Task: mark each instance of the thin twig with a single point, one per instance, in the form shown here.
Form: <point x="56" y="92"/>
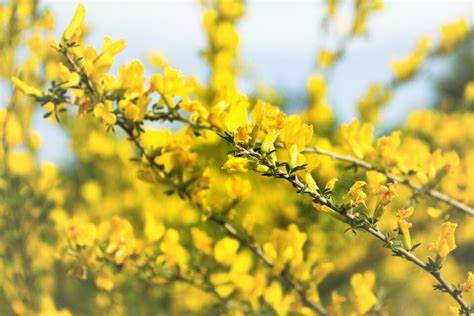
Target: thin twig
<point x="415" y="187"/>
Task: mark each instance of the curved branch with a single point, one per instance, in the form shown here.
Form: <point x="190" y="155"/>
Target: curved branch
<point x="351" y="218"/>
<point x="460" y="206"/>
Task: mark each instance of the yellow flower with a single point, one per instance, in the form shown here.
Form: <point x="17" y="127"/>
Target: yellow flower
<point x="236" y="164"/>
<point x="374" y="99"/>
<point x="267" y="116"/>
<point x="238" y="188"/>
<point x="452" y="34"/>
<point x="158" y="60"/>
<point x="201" y="241"/>
<point x="317" y="87"/>
<point x="225" y="250"/>
<point x="154" y="230"/>
<point x="81" y="234"/>
<point x="68" y="78"/>
<point x="469" y="91"/>
<point x="286" y="246"/>
<point x="405" y="68"/>
<point x="358" y="139"/>
<point x="173" y="254"/>
<point x="275" y="297"/>
<point x="25" y="88"/>
<point x="404" y="213"/>
<point x="91" y="191"/>
<point x="105" y="112"/>
<point x="104" y="282"/>
<point x="404" y="226"/>
<point x="242" y="135"/>
<point x="20" y="163"/>
<point x="445" y="242"/>
<point x="356" y="194"/>
<point x="326" y="58"/>
<point x="295" y="135"/>
<point x="468" y="285"/>
<point x="169" y="85"/>
<point x="362" y="286"/>
<point x="236" y="115"/>
<point x="76" y="23"/>
<point x="231" y="9"/>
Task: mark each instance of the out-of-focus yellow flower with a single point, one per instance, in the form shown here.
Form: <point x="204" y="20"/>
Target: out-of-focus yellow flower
<point x="91" y="191"/>
<point x="173" y="253"/>
<point x="76" y="23"/>
<point x="286" y="246"/>
<point x="231" y="9"/>
<point x="26" y="88"/>
<point x="225" y="250"/>
<point x="358" y="139"/>
<point x="374" y="99"/>
<point x="405" y="68"/>
<point x="157" y="59"/>
<point x="362" y="286"/>
<point x="468" y="285"/>
<point x="446" y="240"/>
<point x="275" y="298"/>
<point x="201" y="240"/>
<point x="238" y="188"/>
<point x="335" y="308"/>
<point x="20" y="163"/>
<point x="469" y="91"/>
<point x="104" y="282"/>
<point x="81" y="234"/>
<point x="236" y="164"/>
<point x="154" y="230"/>
<point x="452" y="34"/>
<point x="326" y="58"/>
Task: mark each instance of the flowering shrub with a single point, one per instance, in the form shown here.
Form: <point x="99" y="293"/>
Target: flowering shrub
<point x="237" y="208"/>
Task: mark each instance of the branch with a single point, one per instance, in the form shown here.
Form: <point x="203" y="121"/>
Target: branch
<point x="351" y="218"/>
<point x="460" y="206"/>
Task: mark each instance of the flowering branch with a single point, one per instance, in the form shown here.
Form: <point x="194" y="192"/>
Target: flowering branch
<point x="415" y="187"/>
<point x="356" y="222"/>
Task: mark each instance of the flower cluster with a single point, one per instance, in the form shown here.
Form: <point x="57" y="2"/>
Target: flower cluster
<point x="226" y="208"/>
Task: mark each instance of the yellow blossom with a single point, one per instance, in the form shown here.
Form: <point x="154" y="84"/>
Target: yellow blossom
<point x="81" y="234"/>
<point x="358" y="138"/>
<point x="25" y="88"/>
<point x="104" y="282"/>
<point x="225" y="250"/>
<point x="326" y="58"/>
<point x="75" y="24"/>
<point x="469" y="91"/>
<point x="201" y="241"/>
<point x="356" y="194"/>
<point x="362" y="286"/>
<point x="445" y="242"/>
<point x="405" y="68"/>
<point x="452" y="34"/>
<point x="468" y="285"/>
<point x="238" y="188"/>
<point x="236" y="164"/>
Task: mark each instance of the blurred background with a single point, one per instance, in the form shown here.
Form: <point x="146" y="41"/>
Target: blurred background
<point x="279" y="43"/>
